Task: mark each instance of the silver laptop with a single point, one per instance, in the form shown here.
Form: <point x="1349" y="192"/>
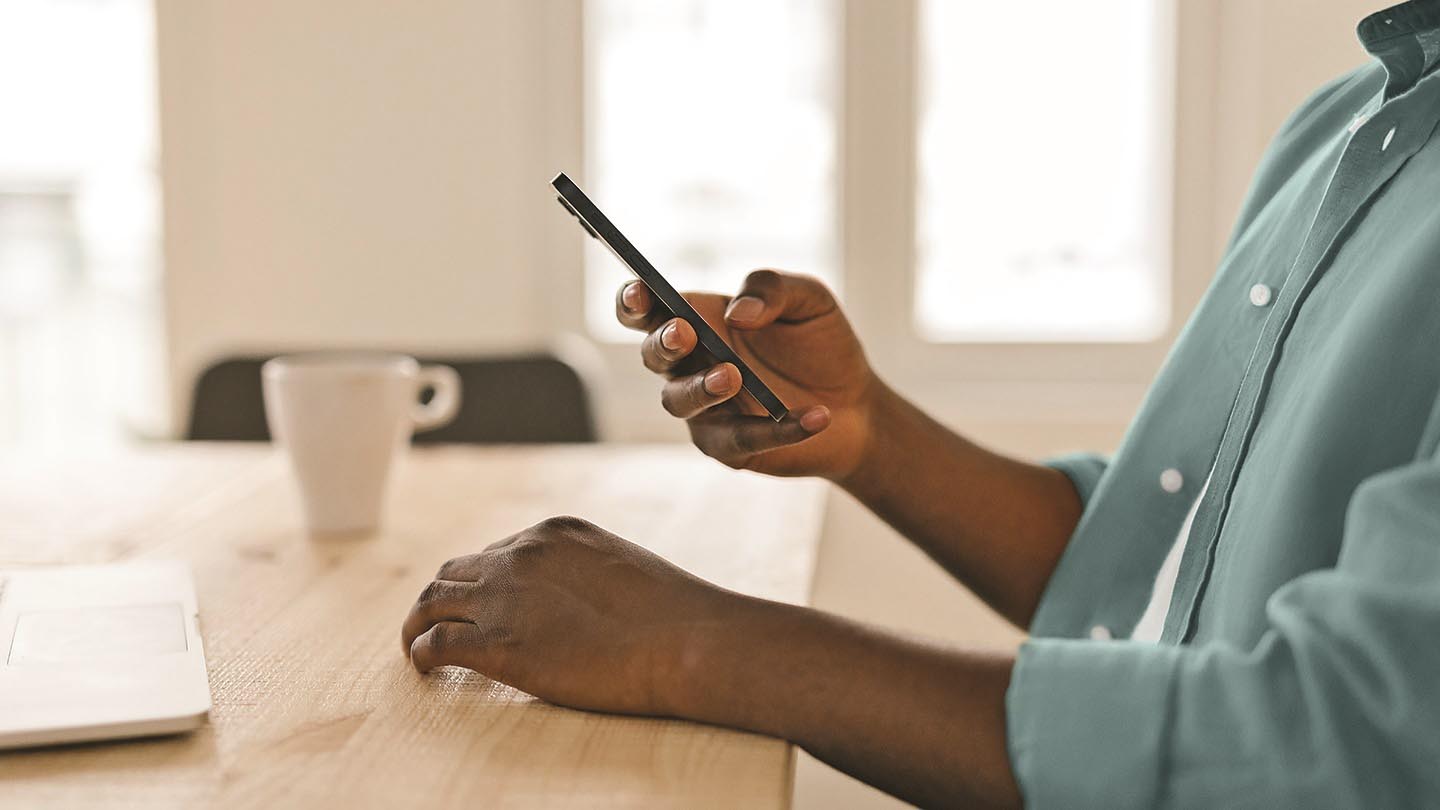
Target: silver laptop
<point x="99" y="652"/>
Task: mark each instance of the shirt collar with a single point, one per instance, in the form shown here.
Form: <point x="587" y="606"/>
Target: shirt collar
<point x="1405" y="39"/>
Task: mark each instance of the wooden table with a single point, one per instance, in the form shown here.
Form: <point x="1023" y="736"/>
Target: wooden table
<point x="314" y="704"/>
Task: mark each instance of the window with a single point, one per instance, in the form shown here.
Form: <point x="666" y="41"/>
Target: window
<point x="711" y="140"/>
<point x="1068" y="247"/>
<point x="80" y="334"/>
<point x="715" y="164"/>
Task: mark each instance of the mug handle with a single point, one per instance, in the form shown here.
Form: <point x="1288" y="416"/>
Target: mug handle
<point x="445" y="402"/>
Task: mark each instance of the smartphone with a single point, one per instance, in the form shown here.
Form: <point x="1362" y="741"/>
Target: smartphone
<point x="599" y="226"/>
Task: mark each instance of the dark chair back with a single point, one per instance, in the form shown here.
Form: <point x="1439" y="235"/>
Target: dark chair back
<point x="503" y="400"/>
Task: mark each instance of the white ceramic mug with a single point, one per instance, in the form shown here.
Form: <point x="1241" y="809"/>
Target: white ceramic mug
<point x="342" y="417"/>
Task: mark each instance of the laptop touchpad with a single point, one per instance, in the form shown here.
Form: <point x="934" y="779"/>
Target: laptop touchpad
<point x="89" y="633"/>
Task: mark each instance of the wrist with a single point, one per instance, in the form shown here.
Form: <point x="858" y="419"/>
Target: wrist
<point x="881" y="412"/>
<point x="681" y="664"/>
<point x="727" y="668"/>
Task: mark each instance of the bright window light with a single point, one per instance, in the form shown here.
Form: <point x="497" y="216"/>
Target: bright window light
<point x="711" y="140"/>
<point x="80" y="332"/>
<point x="1040" y="202"/>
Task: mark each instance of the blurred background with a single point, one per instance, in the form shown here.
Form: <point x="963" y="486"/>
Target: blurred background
<point x="1018" y="208"/>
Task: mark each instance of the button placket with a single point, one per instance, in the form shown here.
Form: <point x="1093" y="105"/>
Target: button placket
<point x="1364" y="172"/>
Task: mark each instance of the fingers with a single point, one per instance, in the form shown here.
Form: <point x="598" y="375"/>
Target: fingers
<point x="635" y="307"/>
<point x="688" y="396"/>
<point x="469" y="567"/>
<point x="442" y="600"/>
<point x="735" y="440"/>
<point x="768" y="296"/>
<point x="459" y="644"/>
<point x="665" y="348"/>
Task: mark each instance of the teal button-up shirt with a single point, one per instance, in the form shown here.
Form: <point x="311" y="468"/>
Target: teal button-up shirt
<point x="1300" y="660"/>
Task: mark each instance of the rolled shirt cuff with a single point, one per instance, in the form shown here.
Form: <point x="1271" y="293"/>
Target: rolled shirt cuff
<point x="1083" y="469"/>
<point x="1087" y="721"/>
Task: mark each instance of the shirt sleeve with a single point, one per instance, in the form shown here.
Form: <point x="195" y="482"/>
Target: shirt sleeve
<point x="1084" y="471"/>
<point x="1336" y="706"/>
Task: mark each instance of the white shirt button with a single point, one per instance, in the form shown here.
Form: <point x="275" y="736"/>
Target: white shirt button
<point x="1100" y="633"/>
<point x="1260" y="295"/>
<point x="1389" y="136"/>
<point x="1171" y="480"/>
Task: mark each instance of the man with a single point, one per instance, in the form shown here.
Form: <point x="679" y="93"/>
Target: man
<point x="1287" y="460"/>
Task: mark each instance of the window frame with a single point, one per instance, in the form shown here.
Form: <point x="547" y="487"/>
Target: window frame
<point x="878" y="126"/>
<point x="879" y="163"/>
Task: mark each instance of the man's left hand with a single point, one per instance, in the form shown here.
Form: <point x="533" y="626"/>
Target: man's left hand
<point x="570" y="613"/>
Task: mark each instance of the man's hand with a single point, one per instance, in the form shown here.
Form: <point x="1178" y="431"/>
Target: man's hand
<point x="577" y="616"/>
<point x="570" y="613"/>
<point x="997" y="524"/>
<point x="791" y="332"/>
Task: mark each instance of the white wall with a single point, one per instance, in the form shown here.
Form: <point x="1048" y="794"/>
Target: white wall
<point x="351" y="172"/>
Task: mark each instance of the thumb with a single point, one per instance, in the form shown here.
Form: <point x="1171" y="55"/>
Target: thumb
<point x="768" y="296"/>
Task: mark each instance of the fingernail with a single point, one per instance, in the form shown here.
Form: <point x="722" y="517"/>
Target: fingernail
<point x="630" y="297"/>
<point x="717" y="381"/>
<point x="670" y="336"/>
<point x="815" y="419"/>
<point x="744" y="309"/>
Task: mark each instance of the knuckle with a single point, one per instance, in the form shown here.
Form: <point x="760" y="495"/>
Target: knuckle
<point x="818" y="288"/>
<point x="668" y="401"/>
<point x="764" y="277"/>
<point x="451" y="566"/>
<point x="525" y="553"/>
<point x="507" y="636"/>
<point x="652" y="352"/>
<point x="442" y="636"/>
<point x="433" y="592"/>
<point x="695" y="392"/>
<point x="501" y="633"/>
<point x="503" y="636"/>
<point x="683" y="398"/>
<point x="562" y="524"/>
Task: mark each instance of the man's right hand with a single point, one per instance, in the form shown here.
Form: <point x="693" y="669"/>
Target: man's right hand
<point x="791" y="332"/>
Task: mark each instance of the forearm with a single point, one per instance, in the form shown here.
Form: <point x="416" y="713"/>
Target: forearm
<point x="919" y="721"/>
<point x="997" y="524"/>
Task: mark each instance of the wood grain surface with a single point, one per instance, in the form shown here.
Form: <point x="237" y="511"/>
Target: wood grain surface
<point x="314" y="703"/>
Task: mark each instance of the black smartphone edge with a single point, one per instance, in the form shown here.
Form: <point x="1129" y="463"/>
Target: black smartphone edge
<point x="600" y="227"/>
